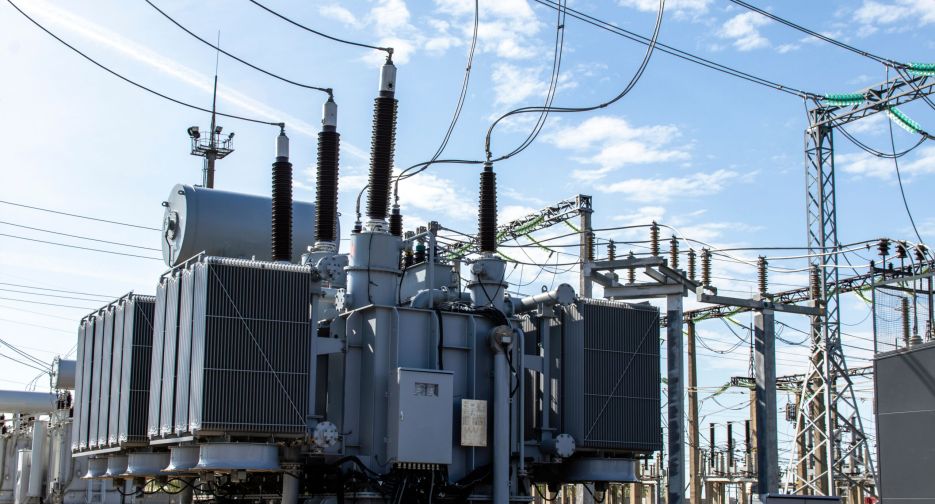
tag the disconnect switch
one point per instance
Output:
(420, 416)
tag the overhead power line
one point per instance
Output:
(79, 247)
(24, 363)
(235, 58)
(134, 83)
(388, 50)
(790, 24)
(78, 216)
(47, 304)
(59, 296)
(79, 237)
(685, 55)
(41, 314)
(23, 353)
(57, 290)
(35, 325)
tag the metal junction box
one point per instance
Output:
(420, 417)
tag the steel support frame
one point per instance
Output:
(826, 402)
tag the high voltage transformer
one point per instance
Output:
(270, 365)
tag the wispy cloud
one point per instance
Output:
(665, 189)
(744, 30)
(610, 143)
(872, 14)
(864, 165)
(680, 8)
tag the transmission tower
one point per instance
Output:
(827, 408)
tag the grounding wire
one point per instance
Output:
(235, 58)
(626, 90)
(388, 50)
(899, 178)
(861, 52)
(78, 236)
(134, 83)
(79, 247)
(78, 216)
(460, 105)
(599, 23)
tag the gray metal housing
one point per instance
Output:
(227, 224)
(904, 387)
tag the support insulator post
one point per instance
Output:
(901, 250)
(282, 201)
(611, 250)
(814, 282)
(691, 264)
(706, 267)
(904, 313)
(654, 239)
(884, 247)
(921, 251)
(631, 271)
(761, 279)
(674, 253)
(396, 221)
(487, 210)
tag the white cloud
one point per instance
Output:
(744, 30)
(513, 84)
(610, 143)
(665, 189)
(864, 165)
(678, 7)
(873, 13)
(506, 28)
(872, 124)
(339, 13)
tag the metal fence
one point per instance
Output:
(903, 311)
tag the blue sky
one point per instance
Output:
(717, 157)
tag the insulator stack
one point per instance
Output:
(654, 239)
(590, 246)
(408, 260)
(691, 264)
(761, 279)
(326, 195)
(921, 251)
(705, 267)
(901, 250)
(396, 222)
(382, 145)
(282, 202)
(674, 253)
(884, 247)
(631, 271)
(487, 214)
(420, 245)
(904, 313)
(814, 282)
(611, 250)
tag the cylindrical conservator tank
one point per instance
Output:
(63, 371)
(227, 224)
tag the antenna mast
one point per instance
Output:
(213, 147)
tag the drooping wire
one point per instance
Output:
(79, 247)
(23, 363)
(78, 236)
(388, 50)
(790, 24)
(134, 83)
(899, 178)
(635, 37)
(79, 216)
(633, 80)
(458, 107)
(883, 155)
(235, 58)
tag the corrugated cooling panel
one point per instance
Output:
(611, 375)
(116, 370)
(137, 363)
(250, 343)
(95, 404)
(184, 353)
(83, 367)
(155, 375)
(169, 356)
